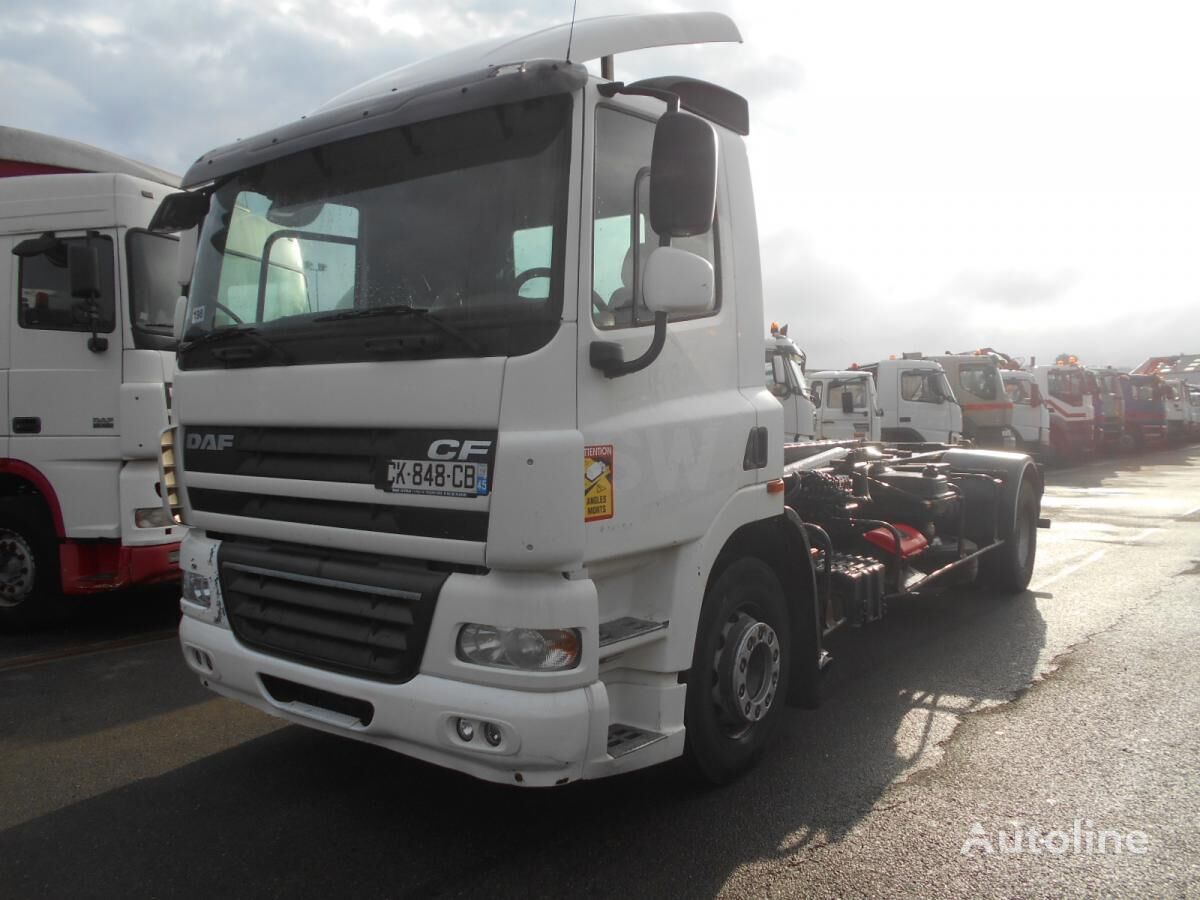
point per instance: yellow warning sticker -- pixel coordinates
(598, 494)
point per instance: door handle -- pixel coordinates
(906, 418)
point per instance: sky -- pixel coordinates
(928, 175)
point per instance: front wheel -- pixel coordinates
(1009, 568)
(29, 577)
(737, 686)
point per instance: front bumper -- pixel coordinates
(548, 737)
(91, 567)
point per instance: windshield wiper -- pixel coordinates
(402, 310)
(235, 354)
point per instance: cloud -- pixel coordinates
(1011, 288)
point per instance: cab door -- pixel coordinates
(58, 386)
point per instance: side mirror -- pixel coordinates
(676, 281)
(187, 256)
(847, 402)
(814, 394)
(1035, 395)
(179, 323)
(683, 175)
(779, 373)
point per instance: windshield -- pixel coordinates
(1018, 389)
(153, 288)
(980, 379)
(444, 238)
(1065, 385)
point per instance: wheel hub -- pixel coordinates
(17, 573)
(747, 669)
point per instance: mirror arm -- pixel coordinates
(609, 357)
(613, 88)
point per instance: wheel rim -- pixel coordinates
(17, 569)
(746, 670)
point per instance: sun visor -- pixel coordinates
(483, 88)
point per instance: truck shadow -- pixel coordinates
(298, 813)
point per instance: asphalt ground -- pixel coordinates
(958, 722)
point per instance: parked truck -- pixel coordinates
(86, 358)
(847, 405)
(1145, 409)
(787, 381)
(1066, 389)
(1031, 415)
(918, 405)
(391, 540)
(987, 411)
(1110, 407)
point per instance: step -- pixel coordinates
(625, 739)
(626, 628)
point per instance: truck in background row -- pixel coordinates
(1031, 415)
(86, 358)
(986, 409)
(847, 405)
(1145, 410)
(1110, 407)
(918, 404)
(1066, 391)
(497, 499)
(787, 381)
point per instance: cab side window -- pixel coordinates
(919, 387)
(45, 290)
(623, 146)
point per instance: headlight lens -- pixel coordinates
(527, 649)
(197, 589)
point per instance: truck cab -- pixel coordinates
(1031, 416)
(1145, 409)
(1110, 407)
(1175, 401)
(847, 405)
(785, 378)
(918, 403)
(986, 408)
(86, 375)
(1066, 391)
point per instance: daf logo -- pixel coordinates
(209, 441)
(449, 449)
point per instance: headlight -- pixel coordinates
(151, 517)
(528, 649)
(197, 589)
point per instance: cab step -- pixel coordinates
(627, 628)
(625, 739)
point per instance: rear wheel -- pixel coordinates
(1009, 568)
(30, 591)
(737, 686)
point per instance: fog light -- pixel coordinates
(529, 649)
(197, 589)
(492, 734)
(465, 729)
(150, 517)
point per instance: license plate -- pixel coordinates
(441, 479)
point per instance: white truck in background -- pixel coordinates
(918, 403)
(847, 405)
(787, 382)
(479, 505)
(86, 359)
(1031, 416)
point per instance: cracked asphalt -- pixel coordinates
(951, 729)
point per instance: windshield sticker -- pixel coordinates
(198, 315)
(598, 493)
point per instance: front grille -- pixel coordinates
(343, 612)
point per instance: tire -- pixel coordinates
(1009, 568)
(30, 586)
(737, 686)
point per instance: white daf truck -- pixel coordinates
(510, 495)
(1031, 415)
(86, 359)
(918, 403)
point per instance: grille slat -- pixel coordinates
(315, 597)
(338, 611)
